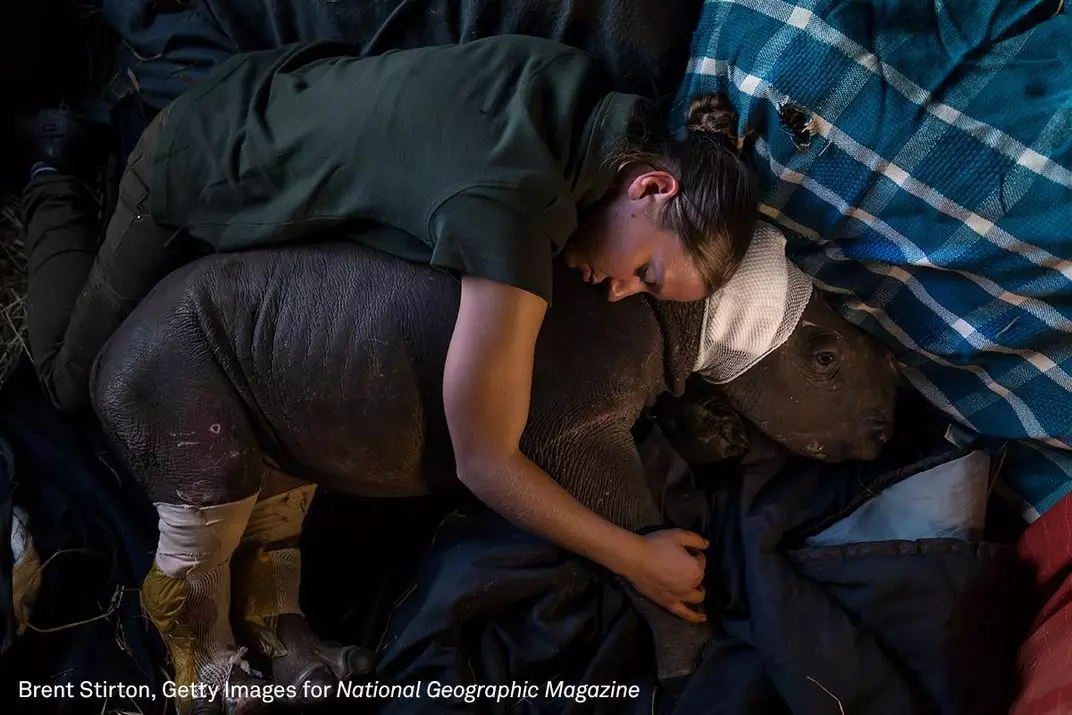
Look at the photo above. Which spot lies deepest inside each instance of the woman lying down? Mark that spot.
(491, 158)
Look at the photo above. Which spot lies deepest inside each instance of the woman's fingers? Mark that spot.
(690, 539)
(696, 596)
(680, 609)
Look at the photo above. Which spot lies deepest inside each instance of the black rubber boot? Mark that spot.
(69, 143)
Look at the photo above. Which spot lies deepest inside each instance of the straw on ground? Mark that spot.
(12, 286)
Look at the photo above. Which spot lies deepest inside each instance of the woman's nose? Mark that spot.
(617, 290)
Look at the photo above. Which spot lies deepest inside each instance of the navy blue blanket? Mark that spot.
(171, 44)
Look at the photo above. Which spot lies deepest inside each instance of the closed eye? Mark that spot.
(647, 276)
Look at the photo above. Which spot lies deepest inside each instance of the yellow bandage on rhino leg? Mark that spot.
(267, 575)
(187, 593)
(279, 517)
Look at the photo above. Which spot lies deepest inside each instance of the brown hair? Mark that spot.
(715, 210)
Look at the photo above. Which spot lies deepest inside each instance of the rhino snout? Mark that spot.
(877, 430)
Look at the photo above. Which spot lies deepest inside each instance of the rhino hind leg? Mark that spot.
(267, 578)
(179, 425)
(187, 596)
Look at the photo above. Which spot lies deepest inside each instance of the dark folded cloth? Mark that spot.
(95, 532)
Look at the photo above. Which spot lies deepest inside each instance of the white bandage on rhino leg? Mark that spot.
(196, 538)
(267, 577)
(187, 593)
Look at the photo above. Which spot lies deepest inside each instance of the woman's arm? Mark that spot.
(486, 393)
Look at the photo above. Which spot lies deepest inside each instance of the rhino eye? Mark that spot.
(824, 353)
(825, 358)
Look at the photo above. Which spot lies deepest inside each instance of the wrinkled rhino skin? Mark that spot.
(328, 360)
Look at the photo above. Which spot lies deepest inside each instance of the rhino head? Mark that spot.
(828, 392)
(772, 349)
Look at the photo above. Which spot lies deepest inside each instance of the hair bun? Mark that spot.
(713, 114)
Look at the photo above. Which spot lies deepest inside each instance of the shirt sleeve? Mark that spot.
(481, 232)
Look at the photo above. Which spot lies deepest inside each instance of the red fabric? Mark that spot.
(1046, 656)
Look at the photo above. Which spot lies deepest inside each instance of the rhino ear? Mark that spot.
(701, 425)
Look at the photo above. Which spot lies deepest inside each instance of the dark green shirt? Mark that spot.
(480, 154)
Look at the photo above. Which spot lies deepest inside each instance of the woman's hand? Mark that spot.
(487, 381)
(667, 572)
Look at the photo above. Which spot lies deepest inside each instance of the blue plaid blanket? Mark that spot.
(918, 156)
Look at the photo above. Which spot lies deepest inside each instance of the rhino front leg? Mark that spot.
(267, 580)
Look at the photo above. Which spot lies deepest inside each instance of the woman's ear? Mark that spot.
(659, 185)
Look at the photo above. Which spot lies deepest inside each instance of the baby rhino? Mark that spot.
(242, 373)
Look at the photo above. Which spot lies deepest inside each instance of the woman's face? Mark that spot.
(621, 245)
